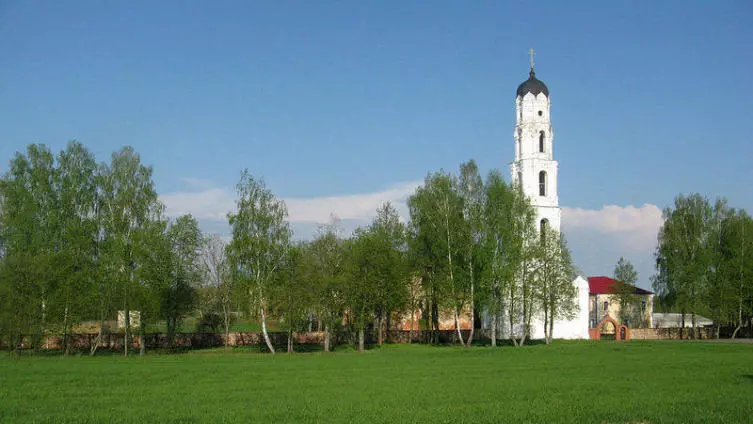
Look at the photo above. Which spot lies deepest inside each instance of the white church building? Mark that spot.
(536, 170)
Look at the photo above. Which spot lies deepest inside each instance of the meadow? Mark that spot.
(600, 382)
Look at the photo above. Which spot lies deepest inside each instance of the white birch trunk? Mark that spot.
(264, 328)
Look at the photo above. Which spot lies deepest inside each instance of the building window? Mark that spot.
(643, 306)
(606, 306)
(541, 142)
(542, 183)
(541, 113)
(520, 178)
(543, 225)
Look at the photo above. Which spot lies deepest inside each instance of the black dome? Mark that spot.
(533, 86)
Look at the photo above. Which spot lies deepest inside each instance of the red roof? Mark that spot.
(605, 285)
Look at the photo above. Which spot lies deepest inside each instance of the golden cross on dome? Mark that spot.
(531, 53)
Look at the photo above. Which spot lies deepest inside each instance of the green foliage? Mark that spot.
(378, 271)
(704, 260)
(554, 275)
(261, 239)
(626, 277)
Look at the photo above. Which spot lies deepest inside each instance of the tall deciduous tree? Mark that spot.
(555, 274)
(260, 243)
(436, 210)
(682, 256)
(379, 270)
(30, 243)
(179, 296)
(737, 251)
(626, 277)
(507, 230)
(218, 280)
(326, 272)
(130, 207)
(471, 188)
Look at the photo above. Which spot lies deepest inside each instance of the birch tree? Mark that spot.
(737, 248)
(327, 275)
(436, 211)
(508, 222)
(260, 243)
(556, 293)
(682, 257)
(626, 277)
(217, 276)
(129, 206)
(471, 188)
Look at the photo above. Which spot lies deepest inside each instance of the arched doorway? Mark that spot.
(608, 331)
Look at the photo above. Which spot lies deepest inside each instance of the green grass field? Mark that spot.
(584, 382)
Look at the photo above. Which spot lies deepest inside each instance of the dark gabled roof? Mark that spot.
(532, 85)
(605, 285)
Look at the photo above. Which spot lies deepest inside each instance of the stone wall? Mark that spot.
(670, 333)
(114, 341)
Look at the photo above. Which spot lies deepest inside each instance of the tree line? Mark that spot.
(704, 262)
(81, 241)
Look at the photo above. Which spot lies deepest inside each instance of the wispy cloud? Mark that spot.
(213, 203)
(634, 228)
(597, 236)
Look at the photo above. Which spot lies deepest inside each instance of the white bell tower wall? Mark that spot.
(534, 166)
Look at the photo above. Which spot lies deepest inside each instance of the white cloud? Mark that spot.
(633, 228)
(358, 207)
(213, 203)
(598, 238)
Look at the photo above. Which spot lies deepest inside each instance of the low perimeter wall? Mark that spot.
(671, 333)
(114, 341)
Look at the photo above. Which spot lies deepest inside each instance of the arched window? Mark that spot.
(541, 142)
(542, 183)
(543, 225)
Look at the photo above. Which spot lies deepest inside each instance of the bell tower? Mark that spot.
(534, 167)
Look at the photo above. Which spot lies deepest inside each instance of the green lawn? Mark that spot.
(584, 382)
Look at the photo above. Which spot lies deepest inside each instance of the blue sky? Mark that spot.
(340, 105)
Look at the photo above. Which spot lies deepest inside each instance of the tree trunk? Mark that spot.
(473, 314)
(326, 338)
(127, 318)
(494, 328)
(551, 328)
(434, 322)
(512, 328)
(142, 347)
(739, 319)
(457, 327)
(412, 320)
(380, 337)
(226, 320)
(290, 340)
(264, 328)
(96, 342)
(360, 339)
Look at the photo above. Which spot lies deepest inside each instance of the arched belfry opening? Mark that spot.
(542, 183)
(541, 142)
(543, 226)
